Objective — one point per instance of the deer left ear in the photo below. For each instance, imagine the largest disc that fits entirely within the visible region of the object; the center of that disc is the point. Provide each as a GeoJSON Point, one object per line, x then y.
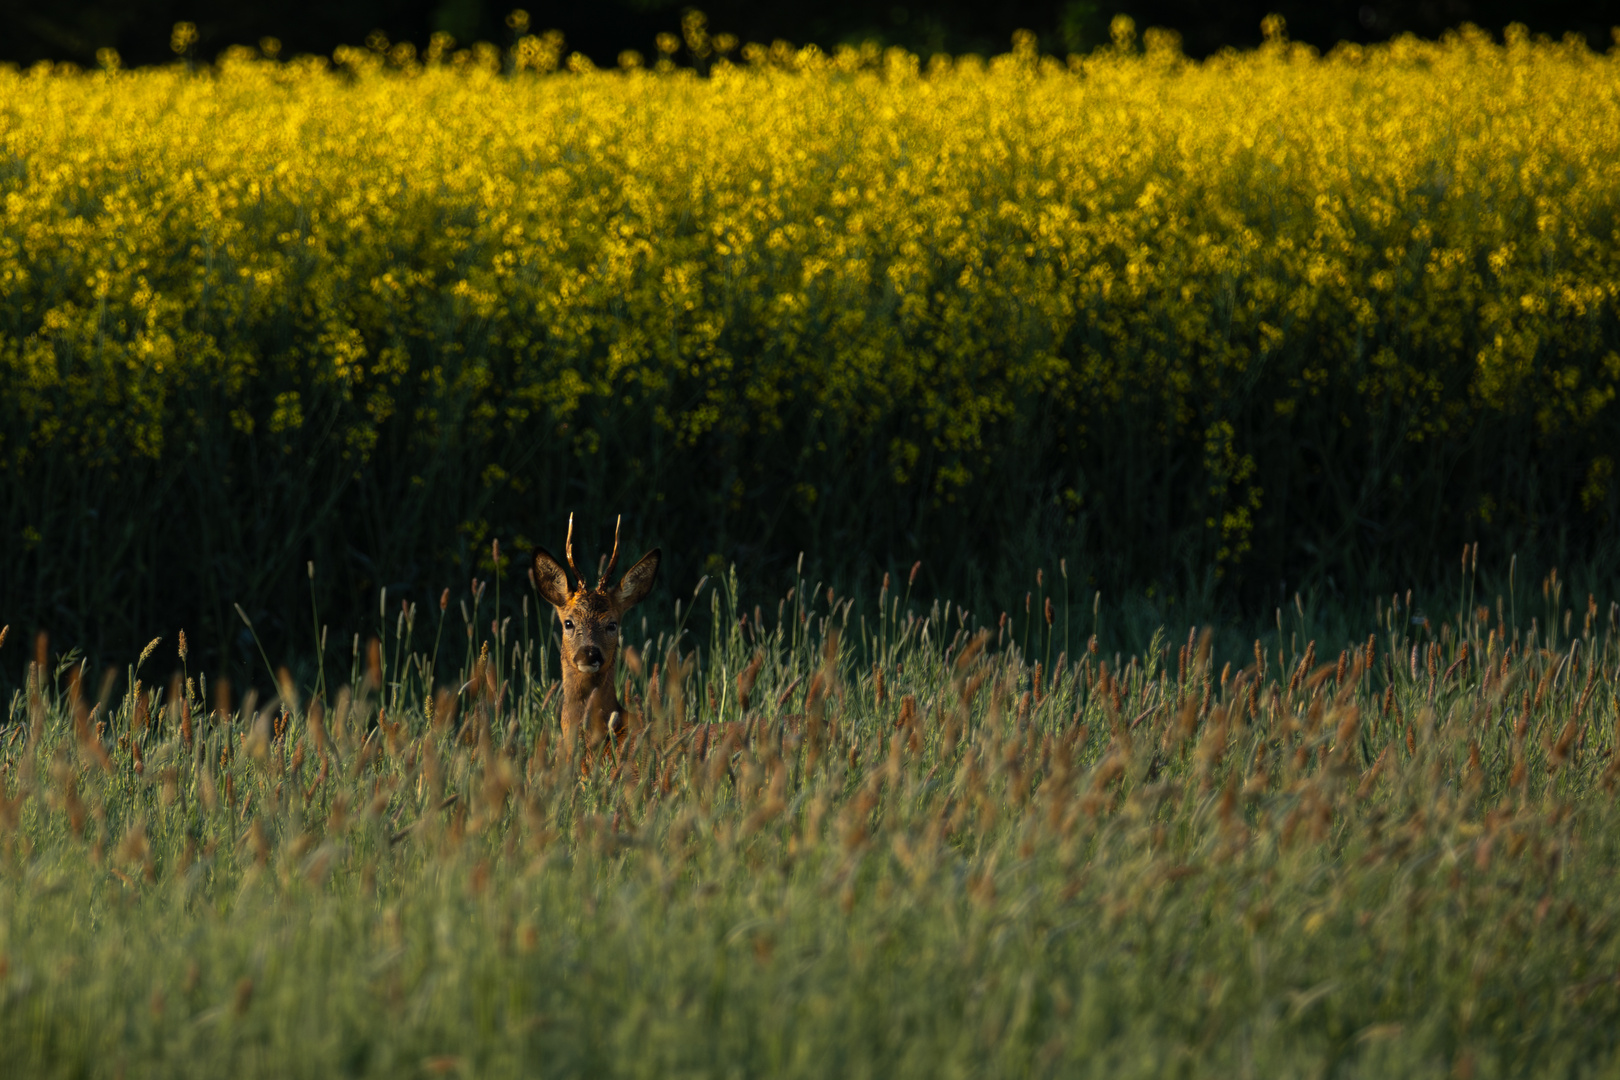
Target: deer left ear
{"type": "Point", "coordinates": [638, 580]}
{"type": "Point", "coordinates": [550, 578]}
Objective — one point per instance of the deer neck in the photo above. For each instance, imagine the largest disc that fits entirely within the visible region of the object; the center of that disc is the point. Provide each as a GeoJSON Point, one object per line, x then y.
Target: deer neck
{"type": "Point", "coordinates": [589, 699]}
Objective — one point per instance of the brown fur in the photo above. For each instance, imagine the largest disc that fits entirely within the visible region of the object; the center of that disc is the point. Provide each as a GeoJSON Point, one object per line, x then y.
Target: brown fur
{"type": "Point", "coordinates": [589, 620]}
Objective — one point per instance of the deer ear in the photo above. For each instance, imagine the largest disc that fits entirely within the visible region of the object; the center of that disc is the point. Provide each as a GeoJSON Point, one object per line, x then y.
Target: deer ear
{"type": "Point", "coordinates": [638, 580]}
{"type": "Point", "coordinates": [550, 578]}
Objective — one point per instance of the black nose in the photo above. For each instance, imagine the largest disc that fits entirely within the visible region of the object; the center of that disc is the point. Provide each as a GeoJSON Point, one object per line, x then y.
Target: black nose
{"type": "Point", "coordinates": [592, 654]}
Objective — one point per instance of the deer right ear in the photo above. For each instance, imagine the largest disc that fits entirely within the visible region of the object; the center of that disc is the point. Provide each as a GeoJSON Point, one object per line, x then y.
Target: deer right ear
{"type": "Point", "coordinates": [550, 578]}
{"type": "Point", "coordinates": [638, 580]}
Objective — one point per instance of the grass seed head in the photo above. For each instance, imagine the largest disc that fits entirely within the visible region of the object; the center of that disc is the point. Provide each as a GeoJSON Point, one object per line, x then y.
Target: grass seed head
{"type": "Point", "coordinates": [374, 673]}
{"type": "Point", "coordinates": [142, 711]}
{"type": "Point", "coordinates": [134, 848]}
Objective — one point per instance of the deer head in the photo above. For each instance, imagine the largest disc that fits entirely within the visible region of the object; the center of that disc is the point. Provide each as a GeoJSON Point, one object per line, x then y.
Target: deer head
{"type": "Point", "coordinates": [590, 625]}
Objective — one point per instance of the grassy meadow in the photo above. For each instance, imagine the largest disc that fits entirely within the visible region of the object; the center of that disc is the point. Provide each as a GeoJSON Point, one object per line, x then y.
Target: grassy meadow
{"type": "Point", "coordinates": [976, 852]}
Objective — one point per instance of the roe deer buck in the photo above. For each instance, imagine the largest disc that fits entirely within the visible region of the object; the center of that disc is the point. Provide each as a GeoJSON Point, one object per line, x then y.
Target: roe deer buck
{"type": "Point", "coordinates": [590, 635]}
{"type": "Point", "coordinates": [591, 708]}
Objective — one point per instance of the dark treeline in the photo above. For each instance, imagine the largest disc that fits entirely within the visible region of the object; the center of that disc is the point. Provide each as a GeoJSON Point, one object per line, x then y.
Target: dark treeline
{"type": "Point", "coordinates": [74, 30]}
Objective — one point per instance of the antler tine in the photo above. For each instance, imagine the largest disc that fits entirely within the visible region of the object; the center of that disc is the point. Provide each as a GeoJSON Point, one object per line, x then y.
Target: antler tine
{"type": "Point", "coordinates": [568, 550]}
{"type": "Point", "coordinates": [613, 560]}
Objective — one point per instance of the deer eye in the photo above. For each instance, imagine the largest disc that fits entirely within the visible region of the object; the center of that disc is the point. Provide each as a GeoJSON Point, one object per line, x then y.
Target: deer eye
{"type": "Point", "coordinates": [613, 628]}
{"type": "Point", "coordinates": [568, 624]}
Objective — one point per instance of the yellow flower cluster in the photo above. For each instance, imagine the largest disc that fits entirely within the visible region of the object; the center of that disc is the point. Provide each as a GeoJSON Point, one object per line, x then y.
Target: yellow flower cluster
{"type": "Point", "coordinates": [938, 259]}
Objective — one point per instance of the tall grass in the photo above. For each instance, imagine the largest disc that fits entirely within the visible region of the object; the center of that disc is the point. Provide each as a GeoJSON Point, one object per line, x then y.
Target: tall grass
{"type": "Point", "coordinates": [970, 852]}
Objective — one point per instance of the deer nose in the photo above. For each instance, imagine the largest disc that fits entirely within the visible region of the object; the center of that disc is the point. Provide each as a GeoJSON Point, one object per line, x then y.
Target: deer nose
{"type": "Point", "coordinates": [590, 657]}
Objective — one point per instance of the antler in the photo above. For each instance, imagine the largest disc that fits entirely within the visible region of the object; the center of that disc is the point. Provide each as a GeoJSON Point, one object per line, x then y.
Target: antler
{"type": "Point", "coordinates": [613, 560]}
{"type": "Point", "coordinates": [568, 551]}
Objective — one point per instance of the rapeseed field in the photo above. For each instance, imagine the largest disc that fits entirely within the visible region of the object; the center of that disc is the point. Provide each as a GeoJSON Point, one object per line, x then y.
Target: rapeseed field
{"type": "Point", "coordinates": [1231, 321]}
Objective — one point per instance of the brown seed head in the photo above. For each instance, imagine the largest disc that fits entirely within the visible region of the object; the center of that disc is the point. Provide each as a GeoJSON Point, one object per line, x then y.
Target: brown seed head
{"type": "Point", "coordinates": [1205, 641]}
{"type": "Point", "coordinates": [444, 709]}
{"type": "Point", "coordinates": [971, 651]}
{"type": "Point", "coordinates": [746, 679]}
{"type": "Point", "coordinates": [288, 689]}
{"type": "Point", "coordinates": [1560, 751]}
{"type": "Point", "coordinates": [317, 725]}
{"type": "Point", "coordinates": [134, 847]}
{"type": "Point", "coordinates": [908, 712]}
